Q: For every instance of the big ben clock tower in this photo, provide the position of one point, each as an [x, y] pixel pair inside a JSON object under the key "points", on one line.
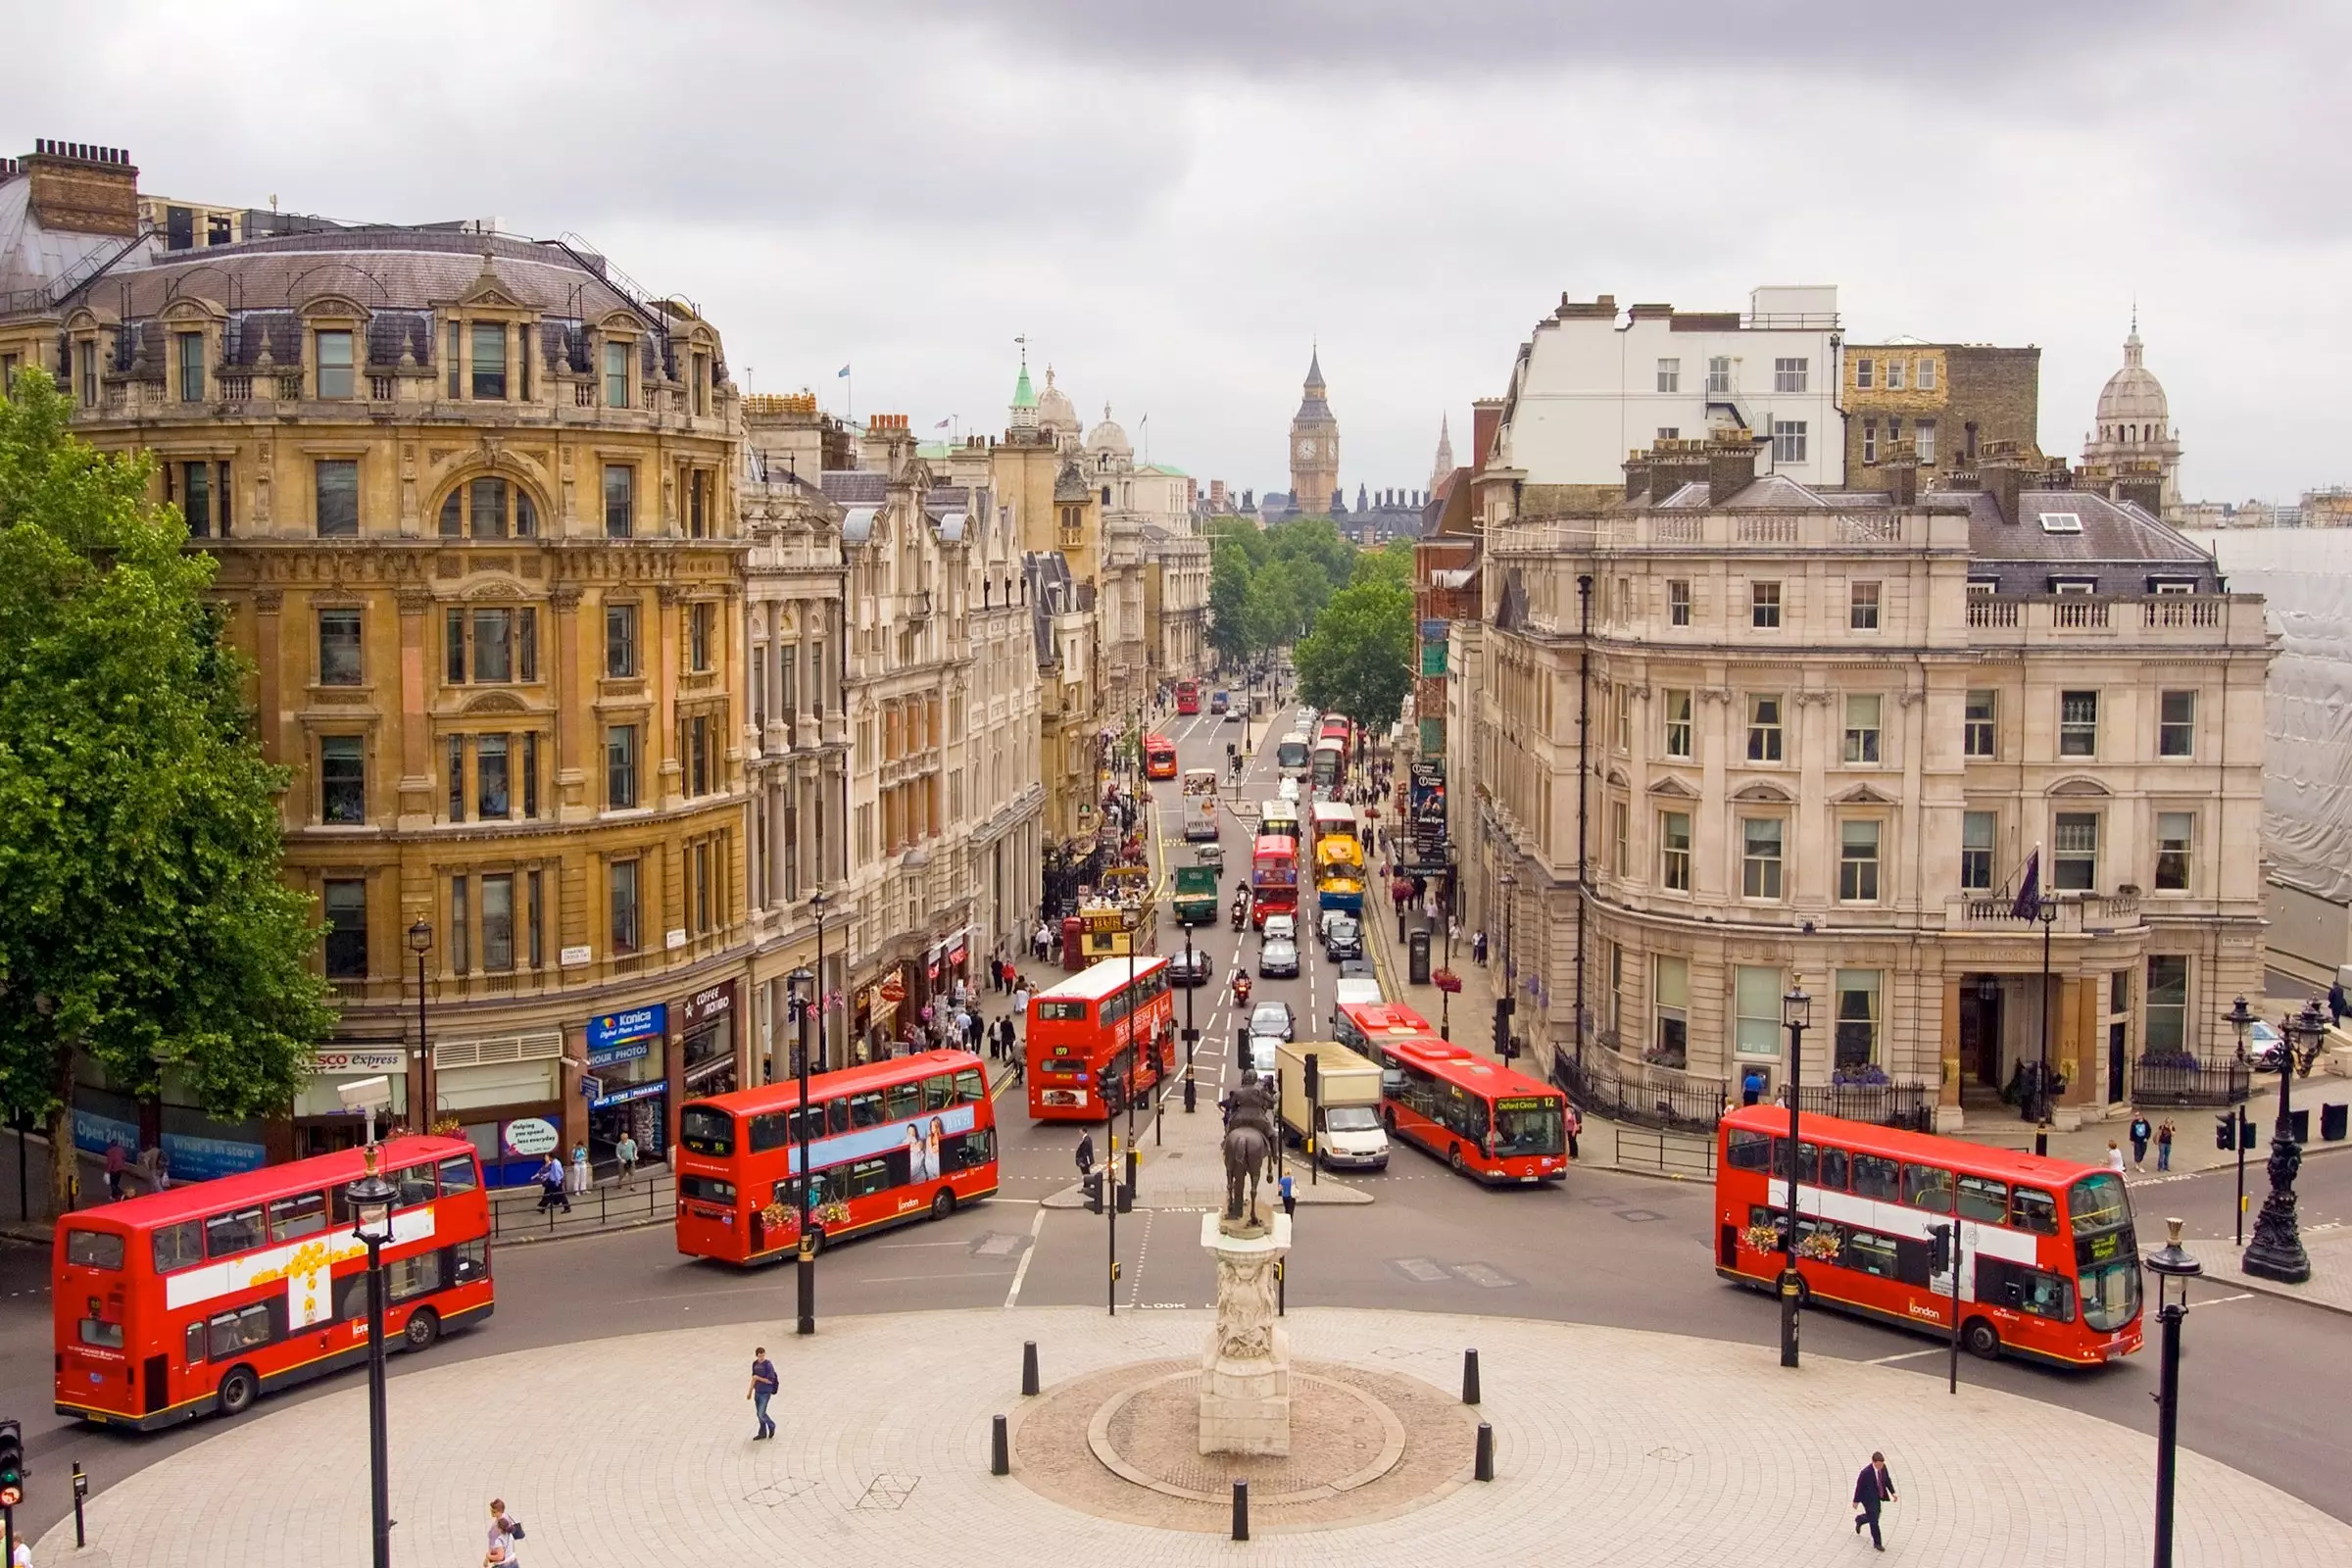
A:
{"points": [[1314, 448]]}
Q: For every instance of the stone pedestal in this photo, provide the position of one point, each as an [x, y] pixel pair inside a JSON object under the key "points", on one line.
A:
{"points": [[1245, 1368]]}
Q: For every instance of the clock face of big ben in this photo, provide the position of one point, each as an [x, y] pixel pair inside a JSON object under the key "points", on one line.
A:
{"points": [[1306, 445]]}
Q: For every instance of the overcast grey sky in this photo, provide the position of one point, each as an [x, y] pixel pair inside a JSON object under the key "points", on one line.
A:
{"points": [[1172, 201]]}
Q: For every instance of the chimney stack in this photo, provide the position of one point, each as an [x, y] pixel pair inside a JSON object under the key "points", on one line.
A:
{"points": [[1486, 421], [1674, 463], [1636, 474], [1731, 466], [2139, 482], [81, 190], [1898, 465], [2001, 470]]}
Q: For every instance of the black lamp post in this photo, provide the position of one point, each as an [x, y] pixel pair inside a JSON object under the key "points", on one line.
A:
{"points": [[420, 943], [1509, 1002], [811, 992], [1796, 1014], [371, 1203], [2174, 1268], [2037, 1106], [2276, 1250], [2240, 1018]]}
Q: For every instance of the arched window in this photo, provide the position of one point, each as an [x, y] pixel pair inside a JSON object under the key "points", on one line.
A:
{"points": [[489, 506]]}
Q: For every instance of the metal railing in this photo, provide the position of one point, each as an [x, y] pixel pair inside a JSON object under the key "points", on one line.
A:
{"points": [[1908, 1106], [1686, 1155], [2194, 1083], [1693, 1105], [515, 1215]]}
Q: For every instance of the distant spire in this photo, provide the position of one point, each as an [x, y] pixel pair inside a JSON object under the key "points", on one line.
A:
{"points": [[1315, 368], [1445, 463]]}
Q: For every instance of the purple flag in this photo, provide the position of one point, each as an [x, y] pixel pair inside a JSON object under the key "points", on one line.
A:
{"points": [[2028, 891]]}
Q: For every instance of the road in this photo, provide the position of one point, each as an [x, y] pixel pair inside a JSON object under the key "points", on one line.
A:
{"points": [[2265, 1380]]}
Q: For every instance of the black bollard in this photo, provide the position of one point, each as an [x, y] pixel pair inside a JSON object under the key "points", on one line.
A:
{"points": [[1134, 1166], [1189, 1093], [1241, 1511], [1483, 1468], [1469, 1377], [1000, 1450], [1029, 1367]]}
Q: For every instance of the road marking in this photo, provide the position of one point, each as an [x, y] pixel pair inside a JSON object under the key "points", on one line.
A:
{"points": [[1908, 1356], [2216, 1300], [1020, 1270], [909, 1279]]}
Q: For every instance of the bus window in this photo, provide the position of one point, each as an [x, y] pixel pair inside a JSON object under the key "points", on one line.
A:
{"points": [[768, 1130], [94, 1248], [195, 1343], [871, 1176], [1830, 1171], [302, 1214], [1061, 1011], [965, 1150], [1872, 1254], [414, 1186], [233, 1331], [902, 1100], [2097, 1203], [836, 1116], [1750, 1151], [2111, 1294], [1983, 1198], [473, 1261], [1877, 1178], [708, 1130], [939, 1092], [2034, 1210], [226, 1235], [2033, 1291], [413, 1276], [865, 1109], [178, 1246], [707, 1190], [457, 1175], [1927, 1187], [102, 1333], [970, 1088]]}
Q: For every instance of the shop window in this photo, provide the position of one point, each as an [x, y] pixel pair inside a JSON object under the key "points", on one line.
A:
{"points": [[344, 901]]}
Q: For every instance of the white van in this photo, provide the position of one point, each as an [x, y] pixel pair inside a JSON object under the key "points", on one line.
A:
{"points": [[1356, 989]]}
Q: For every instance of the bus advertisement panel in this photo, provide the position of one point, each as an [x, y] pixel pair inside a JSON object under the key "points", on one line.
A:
{"points": [[1273, 878], [1481, 1118], [1200, 804], [1082, 1056], [204, 1297], [2048, 1265], [1188, 696], [1159, 757], [889, 1142]]}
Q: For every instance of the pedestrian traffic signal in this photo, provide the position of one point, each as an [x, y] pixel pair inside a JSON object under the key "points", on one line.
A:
{"points": [[2224, 1132], [1939, 1249], [12, 1463], [1090, 1184]]}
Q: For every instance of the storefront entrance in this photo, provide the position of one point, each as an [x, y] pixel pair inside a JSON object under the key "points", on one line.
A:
{"points": [[1980, 1009], [628, 1065]]}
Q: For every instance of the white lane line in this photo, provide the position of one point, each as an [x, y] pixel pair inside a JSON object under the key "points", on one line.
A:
{"points": [[1909, 1355], [907, 1279], [2216, 1300], [1021, 1271]]}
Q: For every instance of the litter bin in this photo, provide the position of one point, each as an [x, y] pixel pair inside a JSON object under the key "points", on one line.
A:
{"points": [[2331, 1122], [2299, 1124]]}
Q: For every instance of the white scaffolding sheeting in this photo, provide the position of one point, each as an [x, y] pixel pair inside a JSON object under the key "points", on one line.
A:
{"points": [[2305, 578]]}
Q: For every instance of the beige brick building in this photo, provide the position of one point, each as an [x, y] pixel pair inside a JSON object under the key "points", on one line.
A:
{"points": [[1828, 730]]}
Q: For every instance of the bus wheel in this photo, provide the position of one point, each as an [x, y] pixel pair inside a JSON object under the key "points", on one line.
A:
{"points": [[425, 1327], [239, 1390], [1981, 1337], [1453, 1157], [944, 1205]]}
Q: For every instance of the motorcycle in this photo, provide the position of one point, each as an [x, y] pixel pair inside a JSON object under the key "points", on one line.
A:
{"points": [[1241, 917], [1241, 991]]}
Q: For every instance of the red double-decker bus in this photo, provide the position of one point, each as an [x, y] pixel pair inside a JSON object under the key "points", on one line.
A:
{"points": [[2048, 1265], [1159, 757], [1098, 1037], [889, 1142], [1273, 878], [204, 1297], [1188, 696]]}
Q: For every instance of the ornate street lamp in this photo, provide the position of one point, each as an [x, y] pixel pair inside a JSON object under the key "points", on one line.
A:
{"points": [[2174, 1268], [2240, 1018], [420, 943], [371, 1203], [1796, 1016], [2276, 1250]]}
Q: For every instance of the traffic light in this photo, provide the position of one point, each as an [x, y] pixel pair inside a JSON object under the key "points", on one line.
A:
{"points": [[2225, 1132], [1502, 1028], [1090, 1184], [12, 1464], [1939, 1249]]}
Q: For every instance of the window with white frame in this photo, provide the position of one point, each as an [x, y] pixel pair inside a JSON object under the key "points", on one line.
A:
{"points": [[1755, 1012], [1624, 718], [1862, 607], [1764, 728], [2078, 723], [2166, 1031], [1764, 604], [1895, 376], [1616, 988], [2176, 725], [1760, 856], [1870, 440], [1620, 829], [2175, 835], [2074, 852], [1719, 373], [1978, 733], [1790, 375], [1865, 373], [1788, 440], [1927, 373], [1978, 830], [1677, 600], [1669, 1044], [1674, 850], [1669, 375], [1923, 440], [1862, 716], [1679, 727], [1858, 1017], [1858, 861]]}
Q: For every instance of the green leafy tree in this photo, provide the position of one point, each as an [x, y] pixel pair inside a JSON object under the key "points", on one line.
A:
{"points": [[1358, 659], [1392, 562], [142, 918], [1228, 605]]}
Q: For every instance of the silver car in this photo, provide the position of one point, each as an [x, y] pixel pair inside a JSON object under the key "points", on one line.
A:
{"points": [[1279, 957]]}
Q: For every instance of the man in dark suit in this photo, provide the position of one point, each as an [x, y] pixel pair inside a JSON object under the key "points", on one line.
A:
{"points": [[1873, 1487]]}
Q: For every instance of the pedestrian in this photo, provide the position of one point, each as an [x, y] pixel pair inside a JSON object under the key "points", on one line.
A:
{"points": [[2163, 1145], [1020, 1000], [2115, 1157], [1086, 1153], [551, 1186], [764, 1388], [504, 1532], [116, 1162], [1751, 1087], [625, 1151], [2338, 1007], [2141, 1132], [1573, 1125], [1874, 1486], [1289, 1194], [580, 1176]]}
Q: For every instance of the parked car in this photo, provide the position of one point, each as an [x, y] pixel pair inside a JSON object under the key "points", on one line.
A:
{"points": [[1279, 957], [1190, 968], [1273, 1018]]}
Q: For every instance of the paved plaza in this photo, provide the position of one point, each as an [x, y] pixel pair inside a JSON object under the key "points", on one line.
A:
{"points": [[1615, 1446]]}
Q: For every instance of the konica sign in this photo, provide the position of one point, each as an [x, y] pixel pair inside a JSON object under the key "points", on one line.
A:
{"points": [[611, 1030]]}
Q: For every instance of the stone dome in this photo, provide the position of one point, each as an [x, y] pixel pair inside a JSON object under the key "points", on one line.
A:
{"points": [[1107, 436], [2133, 398], [1053, 408]]}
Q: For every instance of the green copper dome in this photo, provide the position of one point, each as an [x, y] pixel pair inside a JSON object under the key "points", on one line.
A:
{"points": [[1023, 395]]}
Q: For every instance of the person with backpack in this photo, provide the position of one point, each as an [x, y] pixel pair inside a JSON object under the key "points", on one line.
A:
{"points": [[2141, 1132]]}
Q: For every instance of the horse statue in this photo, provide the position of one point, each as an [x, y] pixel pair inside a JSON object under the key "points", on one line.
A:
{"points": [[1250, 1149]]}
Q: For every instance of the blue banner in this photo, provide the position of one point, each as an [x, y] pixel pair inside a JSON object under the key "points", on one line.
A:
{"points": [[92, 1132], [610, 1029], [622, 1096], [611, 1054], [200, 1159]]}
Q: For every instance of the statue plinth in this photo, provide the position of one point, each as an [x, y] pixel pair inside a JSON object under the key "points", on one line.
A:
{"points": [[1245, 1368]]}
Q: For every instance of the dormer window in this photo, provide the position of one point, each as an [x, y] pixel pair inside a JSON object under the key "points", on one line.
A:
{"points": [[2073, 585], [334, 364], [2173, 585], [2061, 522], [490, 360], [616, 375]]}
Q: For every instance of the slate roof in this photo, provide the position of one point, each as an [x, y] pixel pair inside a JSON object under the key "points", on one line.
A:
{"points": [[857, 487], [379, 268]]}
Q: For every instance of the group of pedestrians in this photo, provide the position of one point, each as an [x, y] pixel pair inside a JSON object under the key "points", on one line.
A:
{"points": [[2141, 1134], [558, 1186]]}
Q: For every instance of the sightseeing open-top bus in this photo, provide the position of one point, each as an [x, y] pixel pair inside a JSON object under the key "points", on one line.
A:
{"points": [[1188, 696], [2048, 1265], [1481, 1118], [1273, 878], [1290, 755], [205, 1296], [1340, 873], [1082, 1060], [888, 1142], [1159, 757]]}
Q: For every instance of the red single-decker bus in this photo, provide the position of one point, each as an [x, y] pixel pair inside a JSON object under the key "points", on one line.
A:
{"points": [[1481, 1118], [2048, 1265], [206, 1296], [889, 1142], [1159, 757], [1081, 1060]]}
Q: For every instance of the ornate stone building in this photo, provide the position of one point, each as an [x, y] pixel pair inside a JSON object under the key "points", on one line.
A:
{"points": [[473, 499], [1828, 732], [2135, 432], [1315, 447]]}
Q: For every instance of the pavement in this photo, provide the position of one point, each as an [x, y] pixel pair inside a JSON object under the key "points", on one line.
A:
{"points": [[2329, 1249], [1613, 1446]]}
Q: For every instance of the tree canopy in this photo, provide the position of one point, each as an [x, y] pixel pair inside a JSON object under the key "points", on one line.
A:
{"points": [[1358, 659], [142, 916], [1267, 586]]}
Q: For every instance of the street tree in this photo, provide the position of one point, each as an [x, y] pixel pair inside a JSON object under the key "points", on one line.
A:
{"points": [[143, 922], [1358, 659]]}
